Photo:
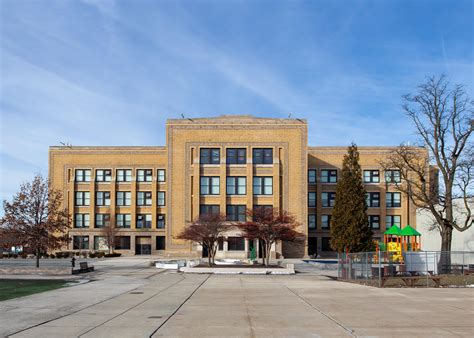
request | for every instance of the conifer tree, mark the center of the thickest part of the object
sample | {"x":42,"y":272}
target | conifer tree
{"x":350,"y":230}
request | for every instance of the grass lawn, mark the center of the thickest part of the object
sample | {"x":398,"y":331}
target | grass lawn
{"x":14,"y":288}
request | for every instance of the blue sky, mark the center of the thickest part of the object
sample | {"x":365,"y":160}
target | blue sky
{"x":110,"y":72}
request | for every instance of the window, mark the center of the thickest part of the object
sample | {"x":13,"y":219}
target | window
{"x":207,"y":209}
{"x":100,"y":243}
{"x":144,"y":198}
{"x":236,"y":156}
{"x":103,"y":175}
{"x":371,"y":176}
{"x":102,"y":198}
{"x":122,"y":243}
{"x":372,"y":199}
{"x":220,"y":244}
{"x":236,"y":213}
{"x":393,"y":200}
{"x":82,"y":198}
{"x":328,"y":199}
{"x":210,"y":156}
{"x":144,"y":175}
{"x":81,"y":220}
{"x":102,"y":220}
{"x":374,"y":221}
{"x":210,"y":185}
{"x":312,"y":199}
{"x":160,"y":221}
{"x":262,"y":185}
{"x":83,"y":175}
{"x":236,"y":185}
{"x":261,"y":211}
{"x":329,"y":176}
{"x":161,"y":175}
{"x":325,"y":244}
{"x":235,"y":244}
{"x":392,"y":176}
{"x":391,"y":220}
{"x":161,"y":201}
{"x":123,"y":198}
{"x":124,"y":175}
{"x":160,"y":243}
{"x":312,"y":221}
{"x":80,"y":242}
{"x":123,"y":220}
{"x":312,"y":176}
{"x":262,"y":156}
{"x":144,"y":221}
{"x":325,"y":221}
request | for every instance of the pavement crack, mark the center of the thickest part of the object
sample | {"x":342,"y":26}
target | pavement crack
{"x":345,"y":328}
{"x":180,"y":305}
{"x":131,"y":308}
{"x":249,"y":318}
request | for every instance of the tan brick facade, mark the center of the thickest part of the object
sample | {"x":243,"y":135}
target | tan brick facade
{"x":284,"y":176}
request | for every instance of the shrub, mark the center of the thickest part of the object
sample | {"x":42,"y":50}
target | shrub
{"x":100,"y":254}
{"x":115,"y":254}
{"x":92,"y":255}
{"x":1,"y":255}
{"x":84,"y":254}
{"x":52,"y":256}
{"x":24,"y":255}
{"x":15,"y":255}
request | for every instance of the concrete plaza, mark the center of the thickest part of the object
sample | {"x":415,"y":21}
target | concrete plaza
{"x":126,"y":298}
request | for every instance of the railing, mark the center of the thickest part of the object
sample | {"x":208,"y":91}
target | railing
{"x":419,"y":268}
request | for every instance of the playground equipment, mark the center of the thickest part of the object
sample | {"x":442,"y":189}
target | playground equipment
{"x":396,"y":241}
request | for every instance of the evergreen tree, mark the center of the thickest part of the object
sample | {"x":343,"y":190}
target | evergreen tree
{"x":350,"y":230}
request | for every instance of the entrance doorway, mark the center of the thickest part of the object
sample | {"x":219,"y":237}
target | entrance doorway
{"x":312,"y":246}
{"x":143,"y":246}
{"x":205,"y":251}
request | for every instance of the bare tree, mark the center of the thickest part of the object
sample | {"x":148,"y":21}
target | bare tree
{"x":443,"y":117}
{"x":270,"y":225}
{"x":36,"y":217}
{"x":110,"y":235}
{"x":206,"y":230}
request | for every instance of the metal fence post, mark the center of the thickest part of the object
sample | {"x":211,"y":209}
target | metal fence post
{"x":366,"y":266}
{"x":338,"y":266}
{"x":426,"y":265}
{"x":380,"y":269}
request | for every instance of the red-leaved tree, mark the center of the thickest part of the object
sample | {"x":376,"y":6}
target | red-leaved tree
{"x":35,"y":217}
{"x":206,"y":230}
{"x":270,"y":225}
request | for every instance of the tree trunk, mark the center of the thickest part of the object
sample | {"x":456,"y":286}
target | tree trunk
{"x":445,"y":258}
{"x":268,"y":247}
{"x":37,"y":258}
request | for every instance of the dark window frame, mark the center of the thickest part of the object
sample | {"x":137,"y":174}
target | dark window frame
{"x":161,"y":198}
{"x":372,"y":199}
{"x":209,"y":207}
{"x":329,"y":201}
{"x":234,"y":180}
{"x":142,"y":222}
{"x":160,"y":218}
{"x":236,"y":156}
{"x":235,"y":243}
{"x":105,"y":176}
{"x":238,"y":212}
{"x":372,"y":221}
{"x":210,"y":185}
{"x":144,"y":198}
{"x":102,"y":200}
{"x":328,"y":226}
{"x":262,"y":156}
{"x":146,"y":177}
{"x":373,"y":177}
{"x":209,"y":156}
{"x":312,"y":176}
{"x":123,"y":175}
{"x":390,"y":202}
{"x":126,"y":224}
{"x":105,"y":219}
{"x":310,"y":204}
{"x":390,"y":176}
{"x":314,"y":217}
{"x":331,"y":176}
{"x":261,"y":189}
{"x":82,"y":176}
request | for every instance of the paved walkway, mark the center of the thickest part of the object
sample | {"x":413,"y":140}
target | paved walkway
{"x":135,"y":301}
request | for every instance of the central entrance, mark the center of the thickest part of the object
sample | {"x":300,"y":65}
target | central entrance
{"x":143,"y":245}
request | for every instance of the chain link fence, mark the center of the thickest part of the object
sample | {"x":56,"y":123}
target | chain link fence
{"x":408,"y":269}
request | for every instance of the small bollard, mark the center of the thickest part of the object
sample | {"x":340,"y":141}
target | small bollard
{"x":73,"y":262}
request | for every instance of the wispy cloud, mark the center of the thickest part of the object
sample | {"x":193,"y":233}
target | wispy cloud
{"x":104,"y":72}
